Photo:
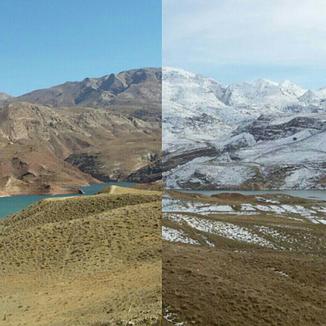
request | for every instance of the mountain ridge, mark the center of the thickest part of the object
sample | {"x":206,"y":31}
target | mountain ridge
{"x":259,"y":84}
{"x":280,"y":145}
{"x":135,"y":87}
{"x":51,"y":145}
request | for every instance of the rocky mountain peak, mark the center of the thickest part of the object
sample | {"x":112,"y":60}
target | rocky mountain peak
{"x":136,"y":91}
{"x":292,"y":88}
{"x":268,"y":132}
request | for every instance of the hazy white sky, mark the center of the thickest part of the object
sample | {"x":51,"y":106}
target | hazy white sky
{"x":234,"y":40}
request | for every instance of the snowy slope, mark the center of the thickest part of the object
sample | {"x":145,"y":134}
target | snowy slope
{"x":263,"y":92}
{"x":265,"y":134}
{"x":190,"y":109}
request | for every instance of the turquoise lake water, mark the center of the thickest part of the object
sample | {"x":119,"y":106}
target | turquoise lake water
{"x":13,"y":204}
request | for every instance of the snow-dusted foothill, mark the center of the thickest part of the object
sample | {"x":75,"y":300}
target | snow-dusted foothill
{"x":251,"y":135}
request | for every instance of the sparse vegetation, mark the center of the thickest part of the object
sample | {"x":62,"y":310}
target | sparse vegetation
{"x":259,"y":268}
{"x":92,"y":260}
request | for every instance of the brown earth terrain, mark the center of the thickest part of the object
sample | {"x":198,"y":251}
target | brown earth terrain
{"x":90,"y":260}
{"x":136,"y":92}
{"x":232,"y":259}
{"x":45,"y":150}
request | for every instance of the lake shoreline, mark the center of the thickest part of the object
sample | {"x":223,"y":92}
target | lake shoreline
{"x":74,"y":189}
{"x":14,"y":203}
{"x":70,"y":190}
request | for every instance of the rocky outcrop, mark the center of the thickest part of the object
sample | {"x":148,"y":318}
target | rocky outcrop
{"x":56,"y":150}
{"x":149,"y":173}
{"x":251,"y":135}
{"x":263,"y":130}
{"x":88,"y":163}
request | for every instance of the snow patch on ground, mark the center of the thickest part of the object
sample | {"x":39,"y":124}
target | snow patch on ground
{"x":247,"y":208}
{"x":265,"y":200}
{"x":177,"y":205}
{"x":313,"y":214}
{"x":273,"y":233}
{"x":224,"y":229}
{"x":173,"y":235}
{"x":171,"y":317}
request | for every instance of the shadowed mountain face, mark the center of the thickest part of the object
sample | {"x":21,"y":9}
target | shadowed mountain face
{"x":104,"y":129}
{"x":136,"y":92}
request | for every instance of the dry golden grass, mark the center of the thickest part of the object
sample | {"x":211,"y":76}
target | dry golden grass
{"x":83,"y":261}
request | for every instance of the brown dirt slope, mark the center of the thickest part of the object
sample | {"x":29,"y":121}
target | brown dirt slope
{"x":224,"y":287}
{"x":251,"y":268}
{"x":55,"y":150}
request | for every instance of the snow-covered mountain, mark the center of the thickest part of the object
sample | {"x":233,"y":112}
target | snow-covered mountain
{"x":260,"y":134}
{"x":263,"y":91}
{"x":190,"y":105}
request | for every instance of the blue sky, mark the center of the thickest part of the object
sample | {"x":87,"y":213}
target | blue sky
{"x":45,"y":42}
{"x":237,"y":40}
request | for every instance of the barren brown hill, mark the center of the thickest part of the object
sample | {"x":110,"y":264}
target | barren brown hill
{"x":136,"y":92}
{"x":91,"y":260}
{"x":235,"y":259}
{"x":55,"y":150}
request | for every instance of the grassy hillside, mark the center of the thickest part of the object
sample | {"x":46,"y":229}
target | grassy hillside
{"x":83,"y":261}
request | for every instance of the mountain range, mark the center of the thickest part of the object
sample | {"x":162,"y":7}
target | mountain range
{"x":252,"y":135}
{"x":136,"y":92}
{"x":99,"y":129}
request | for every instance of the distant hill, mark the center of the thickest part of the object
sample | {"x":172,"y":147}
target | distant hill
{"x":100,"y":129}
{"x":136,"y":92}
{"x":45,"y":150}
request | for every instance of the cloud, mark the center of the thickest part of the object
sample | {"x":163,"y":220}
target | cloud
{"x":244,"y":32}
